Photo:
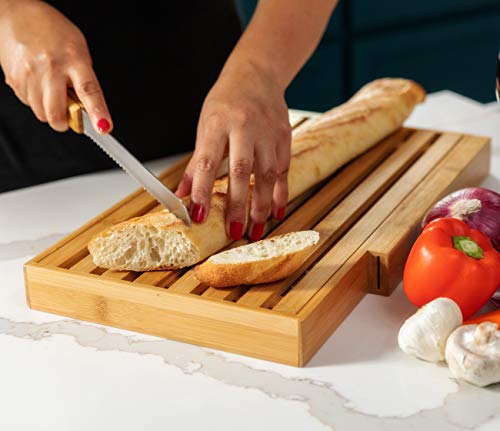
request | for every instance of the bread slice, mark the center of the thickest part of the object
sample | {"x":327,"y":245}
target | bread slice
{"x":260,"y":262}
{"x":319,"y":148}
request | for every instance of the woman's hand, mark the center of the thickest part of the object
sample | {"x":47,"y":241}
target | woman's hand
{"x":41,"y":54}
{"x":245,"y":116}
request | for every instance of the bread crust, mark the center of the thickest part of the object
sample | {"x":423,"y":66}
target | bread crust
{"x":318,"y":150}
{"x":221,"y":271}
{"x":257,"y":272}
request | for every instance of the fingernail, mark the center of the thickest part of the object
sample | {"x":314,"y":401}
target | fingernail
{"x":280,"y":214}
{"x":198,"y":213}
{"x":257,"y":231}
{"x":236,"y":230}
{"x":103,"y":125}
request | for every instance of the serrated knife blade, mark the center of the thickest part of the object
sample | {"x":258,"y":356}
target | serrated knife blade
{"x":136,"y":170}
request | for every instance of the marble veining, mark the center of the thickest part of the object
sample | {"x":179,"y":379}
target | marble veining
{"x":23,"y":248}
{"x":465,"y":409}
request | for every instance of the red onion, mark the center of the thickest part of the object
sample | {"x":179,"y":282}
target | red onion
{"x":478,"y":207}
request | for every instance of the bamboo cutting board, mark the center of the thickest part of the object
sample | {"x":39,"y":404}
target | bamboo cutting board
{"x":367,"y":214}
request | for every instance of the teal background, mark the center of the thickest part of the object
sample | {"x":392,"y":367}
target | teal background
{"x":442,"y":44}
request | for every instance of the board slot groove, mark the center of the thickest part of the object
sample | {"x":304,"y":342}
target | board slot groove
{"x":121,"y":275}
{"x":225,"y":294}
{"x":199,"y":289}
{"x":271,"y":302}
{"x":97,"y":271}
{"x":87,"y":266}
{"x":239,"y":292}
{"x":158,"y":278}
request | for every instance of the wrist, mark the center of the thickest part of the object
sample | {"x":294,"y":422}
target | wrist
{"x":246,"y":67}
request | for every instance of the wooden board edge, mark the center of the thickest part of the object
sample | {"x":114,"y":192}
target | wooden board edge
{"x":73,"y":299}
{"x":326,"y":311}
{"x":157,"y":297}
{"x":26,"y":267}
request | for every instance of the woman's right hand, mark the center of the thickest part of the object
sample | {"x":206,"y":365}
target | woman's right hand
{"x":42,"y":53}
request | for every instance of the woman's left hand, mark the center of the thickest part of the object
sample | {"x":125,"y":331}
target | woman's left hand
{"x":245,"y":116}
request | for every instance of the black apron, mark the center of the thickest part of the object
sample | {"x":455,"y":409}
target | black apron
{"x":155,"y":70}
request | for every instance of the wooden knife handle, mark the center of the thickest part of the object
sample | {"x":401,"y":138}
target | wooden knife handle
{"x":75,"y":107}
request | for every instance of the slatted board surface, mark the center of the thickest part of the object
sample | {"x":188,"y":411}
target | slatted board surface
{"x":367,"y":216}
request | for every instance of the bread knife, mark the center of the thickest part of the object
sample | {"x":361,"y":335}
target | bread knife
{"x":79,"y":122}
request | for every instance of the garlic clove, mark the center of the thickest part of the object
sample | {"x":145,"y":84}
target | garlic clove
{"x":473,"y":353}
{"x":424,"y":334}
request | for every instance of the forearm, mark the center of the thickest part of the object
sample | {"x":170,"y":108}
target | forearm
{"x":281,"y":37}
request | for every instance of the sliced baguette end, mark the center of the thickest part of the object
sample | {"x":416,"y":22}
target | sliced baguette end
{"x":261,"y":262}
{"x":156,"y":241}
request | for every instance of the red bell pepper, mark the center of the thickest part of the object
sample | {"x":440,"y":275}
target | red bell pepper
{"x":451,"y":260}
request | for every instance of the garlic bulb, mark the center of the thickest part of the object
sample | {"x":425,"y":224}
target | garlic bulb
{"x":425,"y":333}
{"x":473,"y":353}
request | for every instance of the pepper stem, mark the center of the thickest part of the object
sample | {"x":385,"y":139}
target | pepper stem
{"x":468,"y":246}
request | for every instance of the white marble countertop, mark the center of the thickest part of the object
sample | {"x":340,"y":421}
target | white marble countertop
{"x":61,"y":374}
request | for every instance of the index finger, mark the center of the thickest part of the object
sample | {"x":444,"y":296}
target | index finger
{"x":89,"y":91}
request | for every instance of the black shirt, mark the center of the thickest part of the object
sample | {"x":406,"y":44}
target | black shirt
{"x":155,"y":69}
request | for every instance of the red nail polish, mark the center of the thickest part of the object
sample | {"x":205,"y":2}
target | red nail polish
{"x":236,"y":230}
{"x":280,"y":214}
{"x":257,"y":231}
{"x":198,"y":213}
{"x":103,"y":125}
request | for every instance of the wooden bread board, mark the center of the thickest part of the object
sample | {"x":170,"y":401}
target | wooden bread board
{"x":368,"y":215}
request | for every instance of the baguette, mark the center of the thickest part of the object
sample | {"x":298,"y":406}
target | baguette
{"x":161,"y":241}
{"x":263,"y":261}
